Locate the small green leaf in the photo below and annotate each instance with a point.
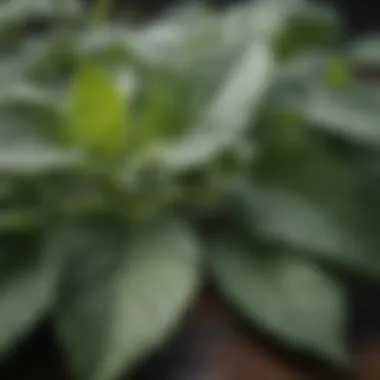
(286, 296)
(310, 27)
(20, 206)
(29, 114)
(161, 116)
(36, 159)
(337, 73)
(365, 52)
(353, 114)
(31, 135)
(97, 115)
(100, 11)
(122, 293)
(27, 284)
(20, 9)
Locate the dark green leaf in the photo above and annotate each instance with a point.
(161, 116)
(310, 27)
(20, 206)
(27, 285)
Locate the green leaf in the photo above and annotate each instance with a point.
(310, 27)
(31, 135)
(15, 14)
(353, 114)
(228, 115)
(29, 113)
(287, 297)
(35, 159)
(226, 73)
(122, 293)
(306, 198)
(21, 208)
(19, 9)
(203, 78)
(365, 52)
(337, 73)
(291, 88)
(27, 286)
(190, 33)
(161, 116)
(282, 216)
(100, 11)
(97, 116)
(159, 44)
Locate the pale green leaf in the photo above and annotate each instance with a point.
(17, 10)
(33, 159)
(281, 215)
(304, 196)
(31, 135)
(229, 113)
(287, 297)
(228, 65)
(365, 52)
(122, 293)
(353, 114)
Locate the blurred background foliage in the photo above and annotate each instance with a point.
(138, 160)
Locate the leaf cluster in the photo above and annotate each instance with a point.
(133, 160)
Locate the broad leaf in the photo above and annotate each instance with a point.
(306, 198)
(228, 74)
(228, 114)
(27, 286)
(294, 221)
(287, 297)
(203, 78)
(97, 115)
(122, 293)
